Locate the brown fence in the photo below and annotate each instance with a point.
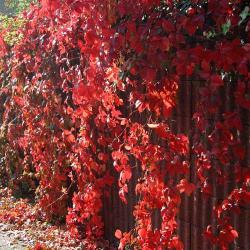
(195, 211)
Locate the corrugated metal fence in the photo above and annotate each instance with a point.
(195, 211)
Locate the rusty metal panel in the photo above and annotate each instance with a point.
(196, 211)
(184, 233)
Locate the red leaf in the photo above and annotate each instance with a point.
(118, 234)
(148, 74)
(3, 46)
(216, 81)
(90, 37)
(162, 131)
(122, 195)
(167, 108)
(165, 44)
(127, 173)
(185, 186)
(142, 232)
(205, 66)
(167, 26)
(39, 246)
(234, 233)
(190, 27)
(19, 100)
(227, 236)
(50, 5)
(176, 243)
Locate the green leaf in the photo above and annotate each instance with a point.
(244, 14)
(226, 27)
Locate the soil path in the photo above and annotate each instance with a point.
(12, 239)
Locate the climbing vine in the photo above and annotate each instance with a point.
(91, 83)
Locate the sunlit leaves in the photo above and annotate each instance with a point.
(95, 84)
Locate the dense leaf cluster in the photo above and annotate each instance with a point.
(89, 86)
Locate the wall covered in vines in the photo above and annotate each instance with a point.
(89, 86)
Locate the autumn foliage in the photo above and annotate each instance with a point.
(92, 82)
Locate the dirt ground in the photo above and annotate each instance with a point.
(12, 239)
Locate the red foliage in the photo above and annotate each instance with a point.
(83, 74)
